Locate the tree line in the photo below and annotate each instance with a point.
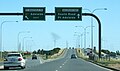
(110, 53)
(47, 52)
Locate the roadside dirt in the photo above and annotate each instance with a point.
(116, 66)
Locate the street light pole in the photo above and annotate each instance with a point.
(77, 40)
(84, 34)
(28, 44)
(18, 43)
(81, 40)
(1, 35)
(80, 36)
(92, 22)
(23, 42)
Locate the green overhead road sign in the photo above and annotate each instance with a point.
(68, 13)
(33, 13)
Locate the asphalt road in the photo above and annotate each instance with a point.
(62, 64)
(29, 64)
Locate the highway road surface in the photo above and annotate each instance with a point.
(63, 64)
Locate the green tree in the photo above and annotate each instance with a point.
(56, 50)
(117, 52)
(38, 52)
(42, 52)
(34, 52)
(113, 54)
(105, 51)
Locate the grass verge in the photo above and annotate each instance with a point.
(113, 64)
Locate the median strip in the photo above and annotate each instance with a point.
(48, 58)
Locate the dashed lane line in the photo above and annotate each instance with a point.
(60, 66)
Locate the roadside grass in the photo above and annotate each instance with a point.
(1, 59)
(44, 57)
(27, 56)
(109, 63)
(60, 53)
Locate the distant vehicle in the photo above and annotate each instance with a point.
(14, 60)
(73, 56)
(34, 56)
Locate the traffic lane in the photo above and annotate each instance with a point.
(52, 65)
(33, 65)
(69, 53)
(80, 65)
(67, 64)
(29, 64)
(1, 63)
(48, 66)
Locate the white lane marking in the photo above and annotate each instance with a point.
(60, 66)
(56, 70)
(96, 65)
(40, 59)
(100, 66)
(65, 62)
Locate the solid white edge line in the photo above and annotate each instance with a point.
(96, 65)
(100, 66)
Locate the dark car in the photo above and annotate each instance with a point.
(73, 56)
(72, 47)
(34, 56)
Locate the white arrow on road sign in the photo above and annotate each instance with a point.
(78, 15)
(26, 17)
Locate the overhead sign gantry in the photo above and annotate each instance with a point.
(33, 13)
(40, 15)
(68, 13)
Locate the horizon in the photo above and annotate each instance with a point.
(40, 31)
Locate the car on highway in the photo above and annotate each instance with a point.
(14, 60)
(72, 47)
(34, 56)
(73, 56)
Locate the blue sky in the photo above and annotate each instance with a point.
(40, 31)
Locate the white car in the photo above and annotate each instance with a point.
(14, 60)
